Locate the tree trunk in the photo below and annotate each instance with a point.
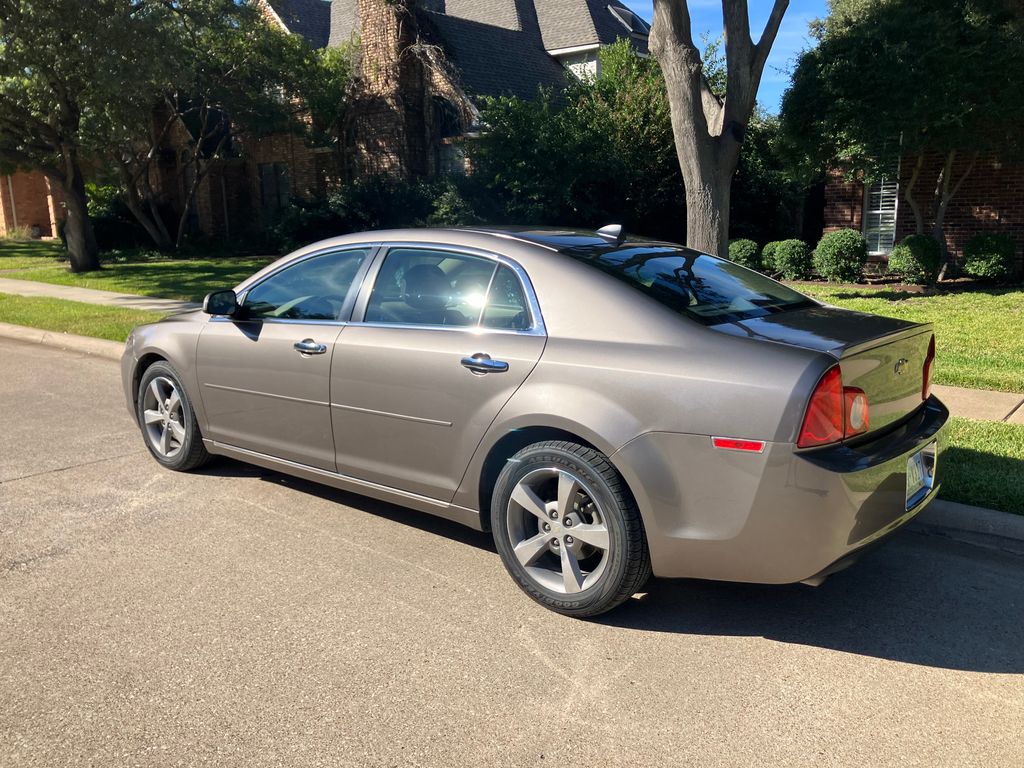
(908, 195)
(709, 130)
(83, 252)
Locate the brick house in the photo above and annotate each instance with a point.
(990, 200)
(425, 63)
(28, 201)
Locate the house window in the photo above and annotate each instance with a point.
(880, 202)
(583, 65)
(275, 187)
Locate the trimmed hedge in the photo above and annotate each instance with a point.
(768, 257)
(990, 255)
(840, 256)
(917, 259)
(745, 253)
(793, 259)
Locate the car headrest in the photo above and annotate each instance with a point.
(426, 287)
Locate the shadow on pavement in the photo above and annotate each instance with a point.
(919, 598)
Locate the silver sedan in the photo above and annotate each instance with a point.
(606, 407)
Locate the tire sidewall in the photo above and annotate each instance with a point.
(529, 460)
(188, 418)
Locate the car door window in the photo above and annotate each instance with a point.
(506, 305)
(312, 289)
(419, 286)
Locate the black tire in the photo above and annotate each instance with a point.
(628, 565)
(191, 454)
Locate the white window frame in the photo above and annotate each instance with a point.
(868, 214)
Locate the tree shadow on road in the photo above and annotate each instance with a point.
(919, 599)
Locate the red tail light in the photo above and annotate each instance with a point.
(824, 421)
(834, 412)
(926, 385)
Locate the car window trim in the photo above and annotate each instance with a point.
(537, 327)
(347, 307)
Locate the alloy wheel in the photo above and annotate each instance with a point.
(163, 417)
(558, 530)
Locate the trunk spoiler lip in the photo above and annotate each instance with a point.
(849, 350)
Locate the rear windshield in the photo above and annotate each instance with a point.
(705, 288)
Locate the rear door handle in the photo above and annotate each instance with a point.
(310, 347)
(482, 363)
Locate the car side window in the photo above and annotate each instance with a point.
(313, 289)
(419, 286)
(506, 304)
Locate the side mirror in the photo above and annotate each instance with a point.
(221, 303)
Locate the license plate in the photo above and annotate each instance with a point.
(920, 474)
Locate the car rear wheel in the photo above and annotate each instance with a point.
(568, 530)
(168, 422)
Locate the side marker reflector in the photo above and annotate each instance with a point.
(734, 444)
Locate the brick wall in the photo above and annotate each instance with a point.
(991, 199)
(28, 200)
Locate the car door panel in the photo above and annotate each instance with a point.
(407, 413)
(261, 393)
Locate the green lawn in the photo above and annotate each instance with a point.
(169, 279)
(984, 465)
(112, 323)
(22, 254)
(979, 335)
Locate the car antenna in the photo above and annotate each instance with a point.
(613, 233)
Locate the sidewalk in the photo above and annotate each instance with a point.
(92, 296)
(969, 403)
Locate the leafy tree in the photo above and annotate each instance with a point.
(710, 128)
(600, 152)
(892, 79)
(61, 63)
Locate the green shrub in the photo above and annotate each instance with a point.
(744, 253)
(768, 258)
(840, 256)
(792, 258)
(990, 256)
(917, 259)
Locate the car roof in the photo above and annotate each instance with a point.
(563, 239)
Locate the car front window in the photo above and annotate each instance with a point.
(312, 289)
(702, 287)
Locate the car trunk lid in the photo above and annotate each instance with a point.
(882, 356)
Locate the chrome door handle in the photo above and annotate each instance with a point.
(310, 347)
(482, 363)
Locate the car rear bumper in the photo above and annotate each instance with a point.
(780, 516)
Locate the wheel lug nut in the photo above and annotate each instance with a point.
(569, 539)
(567, 522)
(553, 515)
(547, 527)
(554, 542)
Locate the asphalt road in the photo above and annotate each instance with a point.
(240, 618)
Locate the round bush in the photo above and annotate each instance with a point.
(793, 259)
(990, 256)
(744, 253)
(768, 258)
(840, 256)
(917, 259)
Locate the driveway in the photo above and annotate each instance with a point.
(241, 618)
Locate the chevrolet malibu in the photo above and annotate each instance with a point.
(606, 407)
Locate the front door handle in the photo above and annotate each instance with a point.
(310, 347)
(481, 363)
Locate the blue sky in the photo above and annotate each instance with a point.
(706, 16)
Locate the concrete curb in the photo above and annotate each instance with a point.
(111, 350)
(963, 518)
(946, 515)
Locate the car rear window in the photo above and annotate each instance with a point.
(705, 288)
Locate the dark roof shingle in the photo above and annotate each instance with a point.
(309, 18)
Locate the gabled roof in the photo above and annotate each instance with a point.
(573, 23)
(309, 18)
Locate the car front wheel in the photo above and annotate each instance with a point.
(568, 530)
(168, 422)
